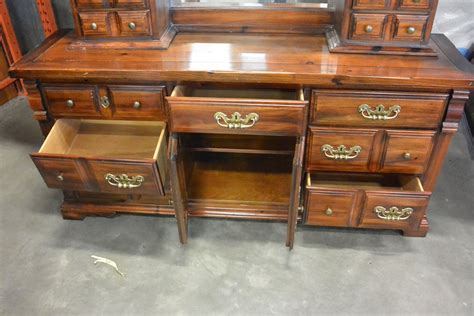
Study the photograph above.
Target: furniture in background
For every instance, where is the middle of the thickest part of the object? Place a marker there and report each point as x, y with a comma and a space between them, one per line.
246, 114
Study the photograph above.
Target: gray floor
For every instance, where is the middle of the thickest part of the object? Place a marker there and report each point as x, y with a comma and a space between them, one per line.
228, 267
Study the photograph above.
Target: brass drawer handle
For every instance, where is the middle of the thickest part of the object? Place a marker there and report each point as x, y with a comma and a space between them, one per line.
394, 213
368, 28
104, 102
411, 30
132, 26
236, 120
341, 152
70, 103
329, 212
124, 181
137, 105
379, 113
94, 26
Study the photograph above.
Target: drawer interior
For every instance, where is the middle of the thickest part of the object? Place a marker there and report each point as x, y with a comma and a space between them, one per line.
239, 177
376, 182
105, 139
237, 93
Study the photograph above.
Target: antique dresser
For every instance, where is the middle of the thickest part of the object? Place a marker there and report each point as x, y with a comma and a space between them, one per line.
308, 113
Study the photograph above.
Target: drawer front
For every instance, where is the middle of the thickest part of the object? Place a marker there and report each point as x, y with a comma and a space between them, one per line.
332, 149
130, 4
366, 109
72, 101
138, 102
134, 23
95, 24
407, 151
126, 177
224, 118
415, 4
368, 26
329, 207
410, 28
60, 173
393, 210
370, 4
94, 4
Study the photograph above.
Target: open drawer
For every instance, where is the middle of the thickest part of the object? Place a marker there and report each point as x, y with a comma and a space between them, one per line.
237, 111
371, 201
104, 156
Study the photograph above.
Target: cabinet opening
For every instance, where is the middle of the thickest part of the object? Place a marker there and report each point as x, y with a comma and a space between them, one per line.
105, 139
237, 93
390, 182
242, 179
249, 144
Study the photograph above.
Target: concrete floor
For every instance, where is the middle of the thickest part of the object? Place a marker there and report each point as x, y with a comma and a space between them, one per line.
228, 267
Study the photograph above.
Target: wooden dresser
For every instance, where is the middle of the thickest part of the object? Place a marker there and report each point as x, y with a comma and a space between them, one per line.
244, 118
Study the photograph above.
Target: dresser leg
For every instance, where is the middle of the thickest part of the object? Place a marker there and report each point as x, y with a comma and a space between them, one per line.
76, 211
420, 232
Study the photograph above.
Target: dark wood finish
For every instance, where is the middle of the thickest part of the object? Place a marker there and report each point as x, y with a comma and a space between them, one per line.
341, 108
280, 112
150, 99
383, 27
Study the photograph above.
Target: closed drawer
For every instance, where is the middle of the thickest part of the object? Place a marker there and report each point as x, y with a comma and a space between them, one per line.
410, 28
373, 109
126, 157
72, 101
372, 201
95, 24
368, 26
407, 151
237, 111
329, 207
134, 23
339, 149
138, 102
370, 4
415, 4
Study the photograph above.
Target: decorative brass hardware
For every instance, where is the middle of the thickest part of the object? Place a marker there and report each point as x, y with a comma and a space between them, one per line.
94, 26
70, 103
379, 113
394, 213
124, 181
341, 152
368, 28
329, 211
407, 156
60, 177
137, 105
132, 26
236, 120
411, 30
104, 102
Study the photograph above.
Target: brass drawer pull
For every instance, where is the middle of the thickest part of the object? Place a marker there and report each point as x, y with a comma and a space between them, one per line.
70, 103
379, 113
368, 28
236, 120
341, 152
394, 213
329, 212
94, 26
411, 30
132, 26
104, 102
137, 105
124, 181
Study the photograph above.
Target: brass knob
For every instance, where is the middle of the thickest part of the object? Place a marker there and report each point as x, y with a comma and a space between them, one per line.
132, 26
70, 103
137, 105
104, 102
411, 30
407, 155
60, 178
329, 211
368, 28
94, 26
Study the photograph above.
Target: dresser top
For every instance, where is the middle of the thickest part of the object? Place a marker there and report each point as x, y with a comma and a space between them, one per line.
247, 58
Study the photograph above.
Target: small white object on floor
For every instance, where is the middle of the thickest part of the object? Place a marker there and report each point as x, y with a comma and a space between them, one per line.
109, 262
